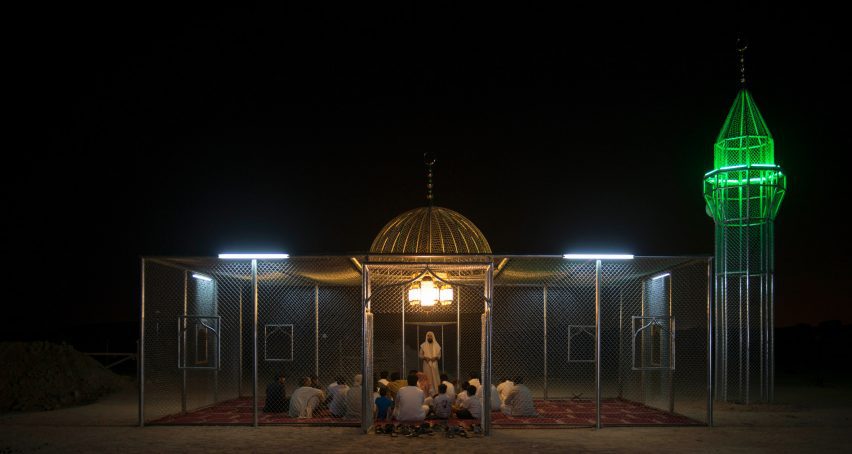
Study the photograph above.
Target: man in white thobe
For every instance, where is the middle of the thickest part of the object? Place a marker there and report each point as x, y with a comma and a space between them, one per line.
353, 399
430, 353
451, 389
305, 399
519, 402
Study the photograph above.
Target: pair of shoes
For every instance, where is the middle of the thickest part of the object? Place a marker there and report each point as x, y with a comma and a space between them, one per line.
461, 432
477, 429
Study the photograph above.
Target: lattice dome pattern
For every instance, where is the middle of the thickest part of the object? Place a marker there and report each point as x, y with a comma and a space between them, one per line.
744, 139
430, 230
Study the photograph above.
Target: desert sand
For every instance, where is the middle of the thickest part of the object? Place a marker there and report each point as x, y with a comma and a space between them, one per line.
805, 419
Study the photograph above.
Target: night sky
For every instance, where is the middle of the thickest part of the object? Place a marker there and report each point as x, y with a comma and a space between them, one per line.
161, 131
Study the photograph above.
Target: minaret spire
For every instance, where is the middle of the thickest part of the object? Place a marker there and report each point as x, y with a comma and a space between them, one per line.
429, 160
742, 45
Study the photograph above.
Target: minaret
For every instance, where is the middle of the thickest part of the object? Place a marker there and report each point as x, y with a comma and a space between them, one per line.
743, 195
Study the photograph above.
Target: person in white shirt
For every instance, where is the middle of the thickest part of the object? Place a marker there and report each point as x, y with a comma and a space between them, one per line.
337, 392
352, 401
462, 396
409, 405
305, 399
471, 408
451, 389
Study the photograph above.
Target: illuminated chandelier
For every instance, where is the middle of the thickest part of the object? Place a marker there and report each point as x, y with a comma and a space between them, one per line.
428, 292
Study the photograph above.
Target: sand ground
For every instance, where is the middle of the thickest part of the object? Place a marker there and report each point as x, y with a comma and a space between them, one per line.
805, 419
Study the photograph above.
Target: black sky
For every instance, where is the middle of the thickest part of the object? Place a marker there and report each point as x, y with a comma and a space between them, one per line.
163, 131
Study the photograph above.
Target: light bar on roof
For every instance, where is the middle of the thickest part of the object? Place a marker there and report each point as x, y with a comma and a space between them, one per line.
598, 256
252, 256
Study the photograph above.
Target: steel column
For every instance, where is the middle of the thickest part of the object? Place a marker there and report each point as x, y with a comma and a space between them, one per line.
597, 344
458, 340
240, 374
316, 330
182, 337
366, 357
544, 309
672, 346
486, 379
710, 306
141, 360
254, 342
402, 369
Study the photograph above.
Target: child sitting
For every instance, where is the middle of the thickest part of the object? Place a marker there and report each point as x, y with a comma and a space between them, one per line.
383, 404
442, 405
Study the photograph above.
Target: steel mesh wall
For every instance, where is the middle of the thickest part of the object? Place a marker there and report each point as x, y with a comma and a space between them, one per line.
308, 323
666, 367
545, 326
201, 294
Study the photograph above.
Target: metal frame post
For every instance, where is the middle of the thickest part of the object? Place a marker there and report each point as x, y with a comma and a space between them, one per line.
458, 340
316, 330
254, 335
486, 379
182, 337
621, 342
366, 357
544, 310
672, 346
710, 309
402, 369
141, 361
240, 374
597, 344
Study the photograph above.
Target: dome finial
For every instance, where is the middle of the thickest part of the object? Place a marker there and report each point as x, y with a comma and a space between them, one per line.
742, 45
429, 160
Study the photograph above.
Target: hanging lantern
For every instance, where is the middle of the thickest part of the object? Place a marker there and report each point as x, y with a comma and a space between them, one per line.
414, 293
428, 292
446, 295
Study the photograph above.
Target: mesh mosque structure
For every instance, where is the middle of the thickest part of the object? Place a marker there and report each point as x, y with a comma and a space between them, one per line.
599, 340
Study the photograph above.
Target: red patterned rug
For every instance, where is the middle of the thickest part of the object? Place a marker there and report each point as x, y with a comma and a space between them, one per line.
552, 414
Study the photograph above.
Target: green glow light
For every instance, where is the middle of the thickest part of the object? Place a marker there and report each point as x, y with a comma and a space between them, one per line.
744, 139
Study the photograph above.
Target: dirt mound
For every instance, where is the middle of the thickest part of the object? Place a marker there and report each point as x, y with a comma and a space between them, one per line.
46, 376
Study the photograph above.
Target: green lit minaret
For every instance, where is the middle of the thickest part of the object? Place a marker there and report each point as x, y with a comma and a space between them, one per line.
743, 195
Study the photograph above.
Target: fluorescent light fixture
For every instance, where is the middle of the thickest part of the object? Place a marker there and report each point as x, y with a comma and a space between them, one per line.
598, 256
253, 256
660, 276
201, 276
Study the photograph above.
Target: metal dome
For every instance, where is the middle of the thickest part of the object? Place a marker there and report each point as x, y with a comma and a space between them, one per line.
430, 230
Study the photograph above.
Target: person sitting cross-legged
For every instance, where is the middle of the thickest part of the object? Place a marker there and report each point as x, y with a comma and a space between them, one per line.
442, 404
384, 405
352, 402
337, 397
409, 405
276, 396
471, 408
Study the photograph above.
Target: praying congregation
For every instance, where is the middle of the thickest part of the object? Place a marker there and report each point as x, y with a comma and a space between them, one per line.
420, 395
